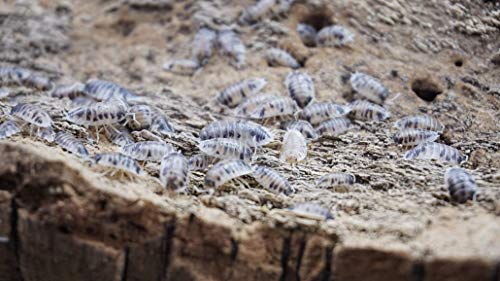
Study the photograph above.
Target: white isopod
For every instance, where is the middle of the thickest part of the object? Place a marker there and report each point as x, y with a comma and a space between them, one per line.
33, 114
367, 111
108, 112
319, 112
119, 162
258, 11
147, 150
160, 124
334, 36
174, 172
9, 128
225, 148
334, 127
300, 87
102, 90
437, 151
230, 45
203, 45
46, 134
304, 127
272, 180
294, 148
13, 76
460, 184
181, 66
279, 57
118, 135
411, 137
247, 132
249, 104
70, 91
335, 179
276, 107
139, 117
199, 162
234, 94
39, 82
225, 171
307, 34
69, 143
369, 87
422, 121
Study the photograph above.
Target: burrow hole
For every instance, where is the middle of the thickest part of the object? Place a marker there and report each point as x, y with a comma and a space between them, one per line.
426, 89
317, 18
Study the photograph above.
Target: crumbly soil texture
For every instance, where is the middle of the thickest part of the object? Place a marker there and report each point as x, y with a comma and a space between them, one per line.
61, 219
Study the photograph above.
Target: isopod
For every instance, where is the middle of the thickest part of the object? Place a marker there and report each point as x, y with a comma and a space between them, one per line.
411, 137
32, 114
13, 76
300, 87
279, 57
294, 148
118, 135
307, 34
139, 117
225, 171
437, 151
312, 211
369, 87
199, 162
147, 150
160, 124
272, 180
249, 104
275, 107
230, 45
247, 132
39, 82
367, 111
319, 112
334, 127
461, 185
70, 91
46, 134
203, 45
225, 148
258, 11
423, 121
334, 36
102, 113
234, 94
119, 162
102, 90
82, 101
9, 128
335, 179
304, 127
174, 172
181, 66
69, 143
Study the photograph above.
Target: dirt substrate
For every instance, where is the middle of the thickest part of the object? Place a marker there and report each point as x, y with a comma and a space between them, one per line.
61, 220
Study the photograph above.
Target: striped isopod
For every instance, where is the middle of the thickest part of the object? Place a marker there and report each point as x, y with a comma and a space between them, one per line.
39, 82
304, 127
279, 57
201, 162
307, 34
8, 129
230, 45
118, 161
335, 179
249, 104
369, 87
247, 132
334, 36
277, 106
271, 180
13, 76
367, 111
234, 94
82, 101
437, 151
423, 121
203, 45
147, 150
139, 117
225, 148
70, 91
107, 112
160, 124
32, 114
46, 134
294, 148
258, 11
300, 87
181, 66
461, 185
311, 210
174, 172
319, 112
69, 143
118, 135
103, 90
225, 171
334, 127
411, 137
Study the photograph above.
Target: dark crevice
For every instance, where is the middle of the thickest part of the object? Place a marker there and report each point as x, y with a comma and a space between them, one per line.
417, 272
234, 250
426, 89
14, 240
495, 276
285, 255
167, 248
327, 271
302, 248
125, 265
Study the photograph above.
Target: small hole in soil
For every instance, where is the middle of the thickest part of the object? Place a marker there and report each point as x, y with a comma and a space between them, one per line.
426, 89
318, 19
459, 63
